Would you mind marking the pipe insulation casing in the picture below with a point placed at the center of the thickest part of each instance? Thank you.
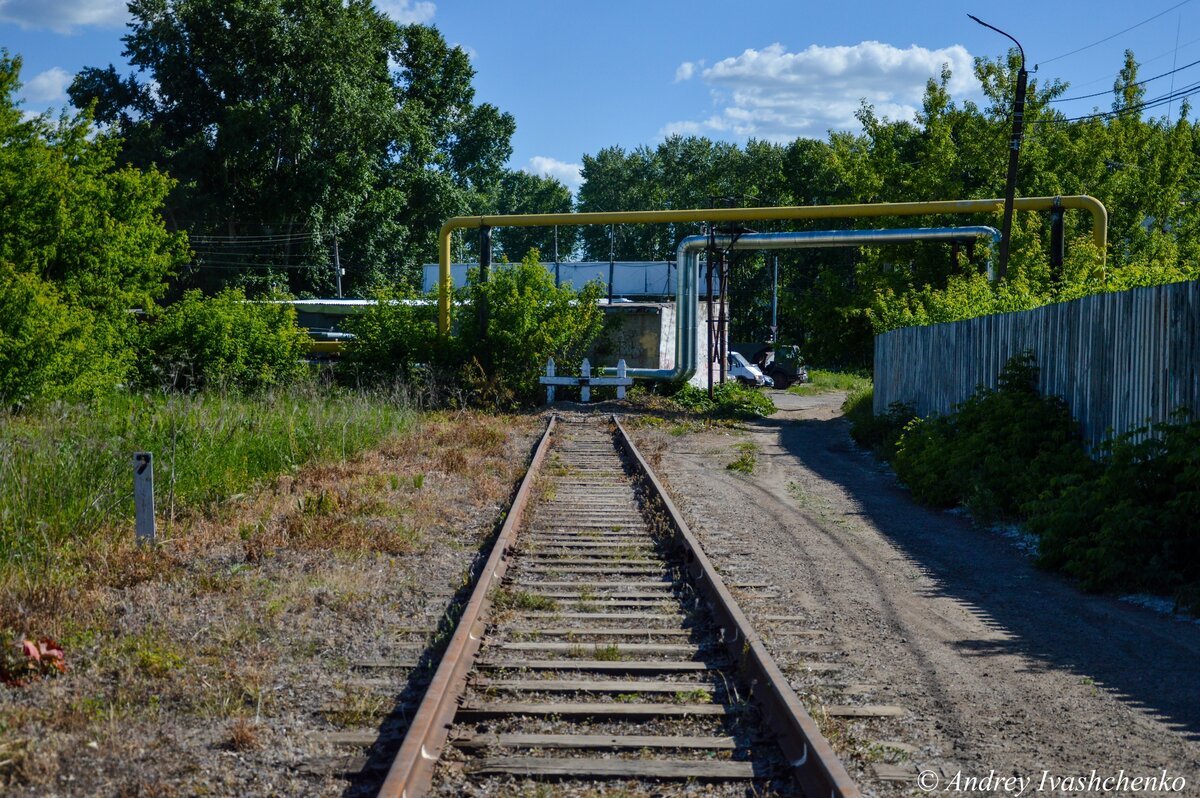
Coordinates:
(687, 284)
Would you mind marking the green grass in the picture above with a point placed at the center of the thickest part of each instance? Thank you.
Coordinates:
(508, 599)
(66, 471)
(746, 460)
(822, 381)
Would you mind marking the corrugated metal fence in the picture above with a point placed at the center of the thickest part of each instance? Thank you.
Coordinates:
(1119, 359)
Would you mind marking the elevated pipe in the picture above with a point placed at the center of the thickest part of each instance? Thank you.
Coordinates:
(446, 286)
(687, 285)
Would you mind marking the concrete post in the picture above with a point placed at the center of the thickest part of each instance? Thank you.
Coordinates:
(550, 388)
(143, 497)
(585, 391)
(621, 376)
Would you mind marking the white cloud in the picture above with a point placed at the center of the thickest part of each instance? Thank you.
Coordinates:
(570, 174)
(777, 95)
(64, 16)
(685, 71)
(407, 12)
(48, 87)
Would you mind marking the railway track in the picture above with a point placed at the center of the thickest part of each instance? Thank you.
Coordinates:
(601, 647)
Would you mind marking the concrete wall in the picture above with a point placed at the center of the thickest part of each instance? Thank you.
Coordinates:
(643, 333)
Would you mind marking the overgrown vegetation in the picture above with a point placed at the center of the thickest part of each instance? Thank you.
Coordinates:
(81, 244)
(1129, 521)
(529, 320)
(731, 400)
(222, 342)
(65, 470)
(1122, 521)
(825, 380)
(998, 450)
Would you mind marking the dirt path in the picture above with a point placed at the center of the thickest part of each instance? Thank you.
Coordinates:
(867, 599)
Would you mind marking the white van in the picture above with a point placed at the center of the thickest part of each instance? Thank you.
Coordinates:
(742, 370)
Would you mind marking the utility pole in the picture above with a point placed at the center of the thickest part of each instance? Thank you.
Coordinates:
(612, 248)
(337, 263)
(708, 262)
(775, 303)
(1014, 151)
(485, 266)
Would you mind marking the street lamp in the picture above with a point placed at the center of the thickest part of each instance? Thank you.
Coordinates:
(1014, 150)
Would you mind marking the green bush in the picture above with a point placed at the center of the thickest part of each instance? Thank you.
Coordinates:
(223, 342)
(998, 450)
(49, 349)
(731, 400)
(881, 433)
(1131, 522)
(393, 339)
(530, 320)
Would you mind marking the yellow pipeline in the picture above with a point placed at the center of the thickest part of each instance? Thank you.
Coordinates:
(445, 284)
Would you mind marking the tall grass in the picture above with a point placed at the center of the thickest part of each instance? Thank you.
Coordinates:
(824, 381)
(66, 470)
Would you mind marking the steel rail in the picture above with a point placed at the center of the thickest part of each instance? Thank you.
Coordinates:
(412, 769)
(818, 770)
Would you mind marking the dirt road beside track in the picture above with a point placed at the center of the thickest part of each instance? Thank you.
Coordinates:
(966, 661)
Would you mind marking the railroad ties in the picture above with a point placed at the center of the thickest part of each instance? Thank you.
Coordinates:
(600, 662)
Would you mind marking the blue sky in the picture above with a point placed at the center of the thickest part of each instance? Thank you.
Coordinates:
(580, 75)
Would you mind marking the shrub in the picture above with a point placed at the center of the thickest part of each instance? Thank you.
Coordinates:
(881, 433)
(998, 450)
(530, 320)
(50, 349)
(1131, 523)
(223, 341)
(393, 339)
(731, 400)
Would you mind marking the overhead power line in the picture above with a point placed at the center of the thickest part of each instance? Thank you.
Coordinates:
(1180, 94)
(1113, 36)
(1138, 83)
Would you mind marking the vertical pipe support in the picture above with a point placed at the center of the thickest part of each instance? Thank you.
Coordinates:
(1057, 240)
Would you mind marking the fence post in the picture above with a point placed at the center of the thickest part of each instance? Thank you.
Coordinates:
(550, 388)
(143, 497)
(585, 391)
(621, 376)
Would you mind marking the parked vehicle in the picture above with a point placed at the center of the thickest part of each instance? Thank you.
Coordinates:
(781, 362)
(742, 370)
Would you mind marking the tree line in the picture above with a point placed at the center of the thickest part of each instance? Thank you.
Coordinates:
(251, 136)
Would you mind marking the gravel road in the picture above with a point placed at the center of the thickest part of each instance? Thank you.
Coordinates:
(975, 664)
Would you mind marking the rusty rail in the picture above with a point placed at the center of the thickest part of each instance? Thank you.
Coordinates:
(818, 770)
(412, 770)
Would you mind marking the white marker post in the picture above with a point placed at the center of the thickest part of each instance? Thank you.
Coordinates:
(549, 385)
(585, 382)
(621, 378)
(143, 497)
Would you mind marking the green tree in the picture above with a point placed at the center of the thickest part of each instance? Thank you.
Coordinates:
(82, 244)
(284, 120)
(223, 342)
(529, 321)
(521, 192)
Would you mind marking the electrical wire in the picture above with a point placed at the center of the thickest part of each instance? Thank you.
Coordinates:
(1183, 93)
(262, 240)
(1110, 38)
(1109, 91)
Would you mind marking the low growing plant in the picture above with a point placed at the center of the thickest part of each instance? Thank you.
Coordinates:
(999, 450)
